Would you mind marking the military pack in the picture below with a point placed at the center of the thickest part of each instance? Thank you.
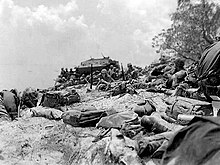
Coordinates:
(78, 117)
(56, 99)
(183, 105)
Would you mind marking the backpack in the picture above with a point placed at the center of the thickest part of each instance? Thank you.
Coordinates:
(183, 105)
(55, 99)
(117, 120)
(29, 98)
(83, 118)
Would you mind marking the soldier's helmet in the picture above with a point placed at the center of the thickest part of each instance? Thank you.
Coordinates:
(103, 71)
(179, 63)
(217, 37)
(129, 65)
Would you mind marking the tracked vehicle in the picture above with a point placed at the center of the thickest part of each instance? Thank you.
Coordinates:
(97, 65)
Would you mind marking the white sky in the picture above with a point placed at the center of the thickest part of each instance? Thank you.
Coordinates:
(65, 32)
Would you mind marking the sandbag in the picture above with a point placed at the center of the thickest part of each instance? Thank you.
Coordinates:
(117, 120)
(79, 118)
(182, 105)
(55, 99)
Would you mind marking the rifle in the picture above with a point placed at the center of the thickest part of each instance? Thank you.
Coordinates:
(123, 73)
(91, 77)
(101, 135)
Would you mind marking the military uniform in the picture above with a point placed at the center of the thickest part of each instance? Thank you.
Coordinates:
(11, 102)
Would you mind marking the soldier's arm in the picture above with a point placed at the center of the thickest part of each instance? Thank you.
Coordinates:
(104, 81)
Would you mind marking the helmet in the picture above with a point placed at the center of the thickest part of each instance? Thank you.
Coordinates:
(104, 71)
(129, 64)
(179, 63)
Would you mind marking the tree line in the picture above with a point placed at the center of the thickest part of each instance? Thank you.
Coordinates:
(195, 24)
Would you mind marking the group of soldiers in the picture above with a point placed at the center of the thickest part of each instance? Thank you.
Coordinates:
(105, 78)
(169, 74)
(65, 75)
(11, 101)
(102, 79)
